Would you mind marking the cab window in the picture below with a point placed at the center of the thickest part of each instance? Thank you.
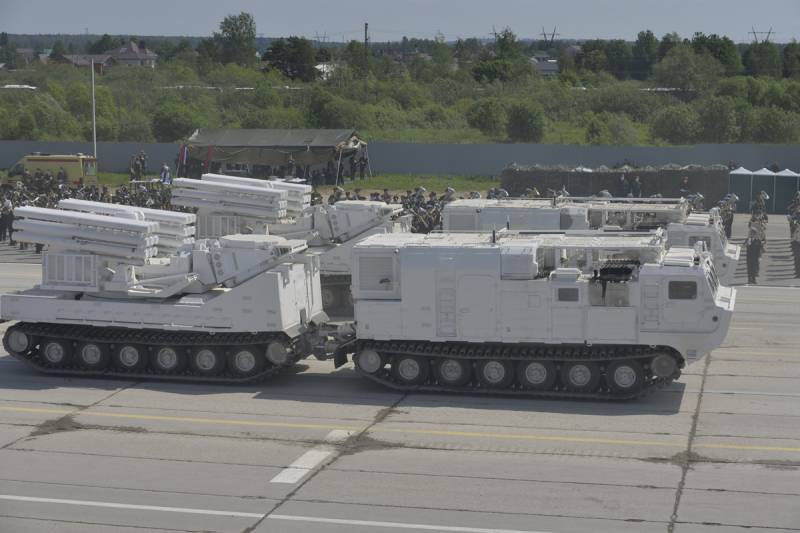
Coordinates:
(682, 290)
(568, 295)
(695, 239)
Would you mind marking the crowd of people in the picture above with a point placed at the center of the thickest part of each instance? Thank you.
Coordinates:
(756, 235)
(42, 189)
(794, 231)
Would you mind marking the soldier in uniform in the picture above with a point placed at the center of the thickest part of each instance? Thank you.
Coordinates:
(5, 218)
(316, 197)
(449, 195)
(337, 195)
(794, 221)
(755, 247)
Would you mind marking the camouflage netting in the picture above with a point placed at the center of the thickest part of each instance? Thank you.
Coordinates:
(710, 181)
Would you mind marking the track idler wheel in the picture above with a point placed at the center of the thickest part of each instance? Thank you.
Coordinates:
(664, 366)
(368, 361)
(17, 342)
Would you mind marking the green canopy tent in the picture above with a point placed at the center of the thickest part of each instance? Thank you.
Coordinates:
(271, 147)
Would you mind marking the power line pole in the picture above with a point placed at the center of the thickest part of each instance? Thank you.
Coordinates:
(94, 116)
(366, 59)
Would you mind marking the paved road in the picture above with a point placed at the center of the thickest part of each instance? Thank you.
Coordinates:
(323, 451)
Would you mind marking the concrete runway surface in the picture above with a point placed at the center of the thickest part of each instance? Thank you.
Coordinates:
(324, 451)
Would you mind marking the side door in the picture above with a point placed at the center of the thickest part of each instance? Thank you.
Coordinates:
(568, 312)
(683, 304)
(476, 307)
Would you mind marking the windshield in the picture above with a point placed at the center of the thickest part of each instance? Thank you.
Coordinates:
(721, 231)
(711, 276)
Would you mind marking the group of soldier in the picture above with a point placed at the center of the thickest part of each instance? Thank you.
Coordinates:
(756, 235)
(45, 190)
(794, 231)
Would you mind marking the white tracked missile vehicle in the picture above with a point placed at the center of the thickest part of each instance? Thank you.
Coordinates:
(554, 315)
(234, 309)
(684, 228)
(330, 230)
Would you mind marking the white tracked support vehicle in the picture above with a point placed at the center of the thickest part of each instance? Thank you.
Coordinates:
(552, 315)
(235, 309)
(600, 214)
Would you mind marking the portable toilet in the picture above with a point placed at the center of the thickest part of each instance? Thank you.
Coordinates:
(740, 182)
(764, 180)
(786, 184)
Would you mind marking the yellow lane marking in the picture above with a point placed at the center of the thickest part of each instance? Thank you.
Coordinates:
(412, 431)
(196, 420)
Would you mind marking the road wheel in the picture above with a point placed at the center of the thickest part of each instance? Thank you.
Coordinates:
(625, 377)
(453, 372)
(246, 361)
(93, 355)
(495, 374)
(206, 361)
(56, 353)
(168, 359)
(537, 375)
(368, 361)
(410, 370)
(580, 376)
(130, 357)
(18, 342)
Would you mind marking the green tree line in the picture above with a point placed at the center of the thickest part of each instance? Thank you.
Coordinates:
(653, 90)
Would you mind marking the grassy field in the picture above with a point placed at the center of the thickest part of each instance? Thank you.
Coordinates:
(428, 135)
(112, 179)
(396, 183)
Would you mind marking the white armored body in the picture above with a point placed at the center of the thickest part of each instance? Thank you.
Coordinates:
(558, 315)
(233, 309)
(684, 228)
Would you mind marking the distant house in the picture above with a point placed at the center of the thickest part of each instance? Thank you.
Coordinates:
(102, 62)
(28, 55)
(327, 69)
(544, 65)
(134, 55)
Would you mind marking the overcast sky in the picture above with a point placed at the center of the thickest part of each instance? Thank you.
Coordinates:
(392, 19)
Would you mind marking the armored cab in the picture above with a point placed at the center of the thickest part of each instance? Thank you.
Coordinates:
(231, 309)
(331, 232)
(600, 214)
(556, 315)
